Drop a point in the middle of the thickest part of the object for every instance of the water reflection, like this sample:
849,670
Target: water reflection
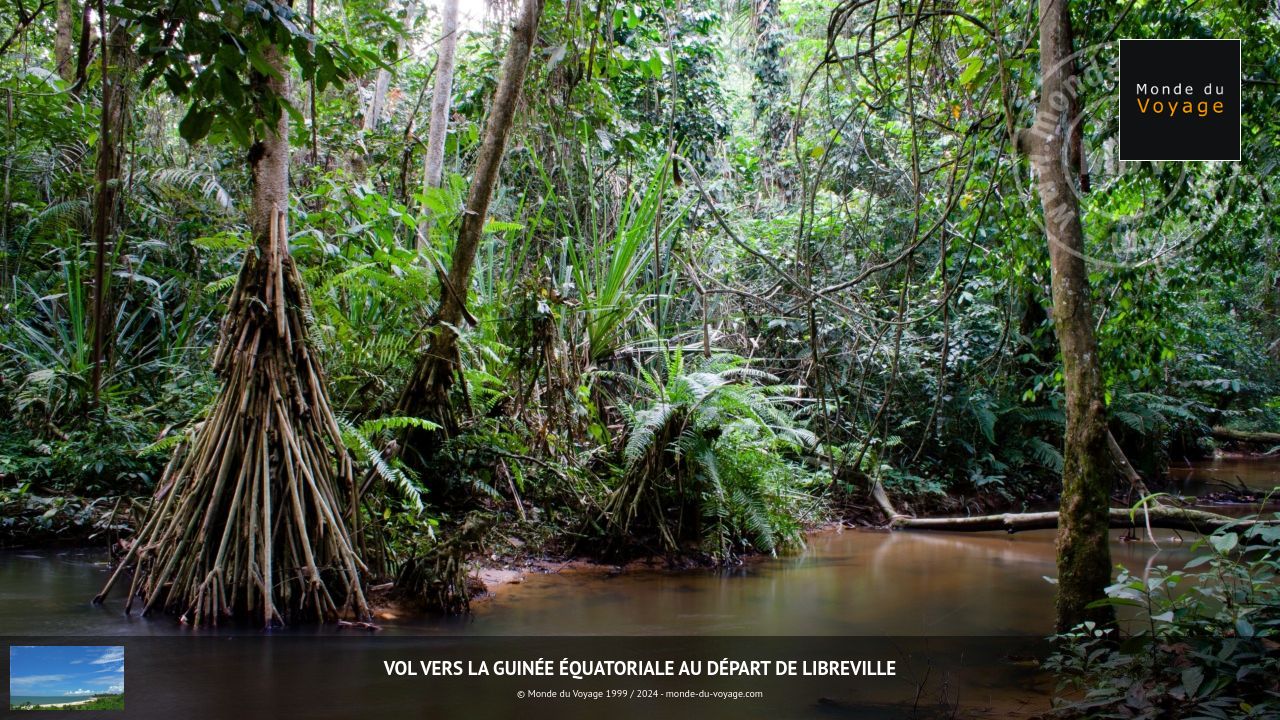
1223,472
853,582
846,583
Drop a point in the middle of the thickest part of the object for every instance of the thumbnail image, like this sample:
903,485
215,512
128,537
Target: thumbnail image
66,677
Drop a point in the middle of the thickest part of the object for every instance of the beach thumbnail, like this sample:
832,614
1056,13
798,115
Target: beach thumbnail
66,677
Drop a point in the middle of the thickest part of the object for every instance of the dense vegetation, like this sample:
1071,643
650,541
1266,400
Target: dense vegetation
1203,644
695,276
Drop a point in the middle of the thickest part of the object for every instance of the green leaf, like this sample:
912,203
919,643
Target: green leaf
175,83
229,56
229,83
1192,679
259,63
195,125
494,226
1197,561
1224,543
326,71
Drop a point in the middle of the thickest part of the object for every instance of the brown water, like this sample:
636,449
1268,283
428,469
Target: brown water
852,584
841,597
844,583
1225,472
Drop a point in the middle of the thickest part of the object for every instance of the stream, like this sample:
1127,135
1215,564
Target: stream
852,584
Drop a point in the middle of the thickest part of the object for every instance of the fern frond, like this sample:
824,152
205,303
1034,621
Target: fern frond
1045,454
361,445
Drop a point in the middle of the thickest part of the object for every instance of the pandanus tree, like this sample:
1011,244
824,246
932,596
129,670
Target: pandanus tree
255,514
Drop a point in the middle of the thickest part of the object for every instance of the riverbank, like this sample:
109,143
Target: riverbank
498,577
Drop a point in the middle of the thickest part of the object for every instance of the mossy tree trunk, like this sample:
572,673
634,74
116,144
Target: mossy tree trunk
1084,556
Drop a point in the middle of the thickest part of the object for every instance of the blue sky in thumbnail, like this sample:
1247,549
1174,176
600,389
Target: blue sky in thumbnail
66,671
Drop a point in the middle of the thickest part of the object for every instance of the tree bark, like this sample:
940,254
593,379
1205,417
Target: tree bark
373,111
84,49
269,162
442,95
441,101
116,57
427,393
1084,558
64,25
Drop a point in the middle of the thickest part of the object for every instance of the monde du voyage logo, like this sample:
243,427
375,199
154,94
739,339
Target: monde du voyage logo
1180,100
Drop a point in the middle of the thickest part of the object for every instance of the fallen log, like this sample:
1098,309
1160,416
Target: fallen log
1168,518
1152,515
1243,436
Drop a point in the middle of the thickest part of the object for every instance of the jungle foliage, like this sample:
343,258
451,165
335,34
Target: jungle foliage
744,259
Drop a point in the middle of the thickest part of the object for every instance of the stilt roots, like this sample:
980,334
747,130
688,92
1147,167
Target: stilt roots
248,518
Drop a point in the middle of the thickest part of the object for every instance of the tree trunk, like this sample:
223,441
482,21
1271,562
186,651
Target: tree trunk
1136,485
427,393
248,519
1152,515
1241,436
116,57
64,25
441,101
442,95
84,49
1165,517
269,163
382,82
373,111
1084,558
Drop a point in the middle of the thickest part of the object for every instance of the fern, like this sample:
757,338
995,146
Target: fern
985,418
712,435
361,442
1134,421
188,179
53,218
164,446
1026,415
1045,454
221,285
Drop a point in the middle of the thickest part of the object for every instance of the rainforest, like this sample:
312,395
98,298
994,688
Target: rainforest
709,320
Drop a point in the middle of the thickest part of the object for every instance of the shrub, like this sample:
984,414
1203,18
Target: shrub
1204,644
710,460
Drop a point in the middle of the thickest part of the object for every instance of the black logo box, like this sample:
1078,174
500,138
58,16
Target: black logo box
1187,68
